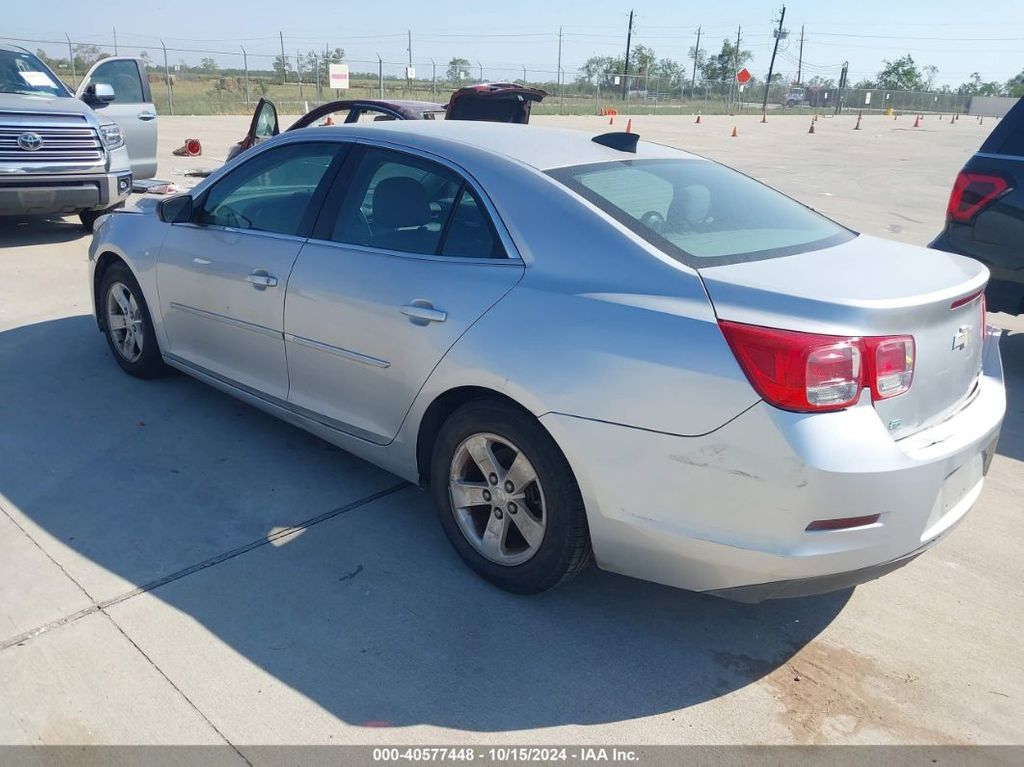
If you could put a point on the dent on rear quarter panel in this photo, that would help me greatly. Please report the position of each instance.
(600, 327)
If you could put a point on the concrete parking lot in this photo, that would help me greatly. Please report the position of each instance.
(177, 567)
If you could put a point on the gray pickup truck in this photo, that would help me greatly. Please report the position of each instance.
(67, 153)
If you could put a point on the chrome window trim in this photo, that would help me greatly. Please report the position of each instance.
(369, 249)
(248, 232)
(347, 354)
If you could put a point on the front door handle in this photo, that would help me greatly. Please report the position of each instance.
(423, 312)
(147, 115)
(261, 280)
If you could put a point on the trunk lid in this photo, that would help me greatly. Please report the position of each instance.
(872, 287)
(494, 102)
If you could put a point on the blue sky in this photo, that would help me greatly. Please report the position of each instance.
(504, 37)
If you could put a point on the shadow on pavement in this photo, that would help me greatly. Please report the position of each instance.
(370, 614)
(20, 231)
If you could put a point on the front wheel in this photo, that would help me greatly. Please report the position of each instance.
(128, 325)
(507, 498)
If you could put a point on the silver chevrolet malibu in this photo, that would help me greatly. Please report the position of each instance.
(583, 346)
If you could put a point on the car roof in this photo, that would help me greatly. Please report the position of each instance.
(541, 148)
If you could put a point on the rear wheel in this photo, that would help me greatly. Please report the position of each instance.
(128, 325)
(507, 498)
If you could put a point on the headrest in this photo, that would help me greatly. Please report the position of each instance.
(400, 202)
(691, 205)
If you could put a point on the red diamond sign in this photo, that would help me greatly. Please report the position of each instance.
(743, 76)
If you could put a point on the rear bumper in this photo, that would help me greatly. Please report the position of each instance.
(727, 513)
(42, 195)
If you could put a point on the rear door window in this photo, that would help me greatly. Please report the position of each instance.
(399, 202)
(700, 212)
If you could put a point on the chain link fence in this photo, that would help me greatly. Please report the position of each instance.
(231, 82)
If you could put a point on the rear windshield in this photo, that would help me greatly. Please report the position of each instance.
(700, 212)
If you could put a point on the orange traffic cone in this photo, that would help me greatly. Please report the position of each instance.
(191, 148)
(811, 129)
(734, 133)
(697, 121)
(629, 125)
(857, 126)
(917, 121)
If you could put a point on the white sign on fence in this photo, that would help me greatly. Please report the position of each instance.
(339, 76)
(410, 73)
(867, 98)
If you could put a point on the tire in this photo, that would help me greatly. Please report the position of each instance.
(562, 548)
(88, 217)
(144, 359)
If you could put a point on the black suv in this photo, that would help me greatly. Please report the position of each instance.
(985, 215)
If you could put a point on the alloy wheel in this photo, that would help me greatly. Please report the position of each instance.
(124, 322)
(497, 499)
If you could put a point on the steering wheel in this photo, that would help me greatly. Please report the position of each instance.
(652, 219)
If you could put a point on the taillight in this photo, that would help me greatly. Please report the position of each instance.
(971, 193)
(894, 365)
(810, 372)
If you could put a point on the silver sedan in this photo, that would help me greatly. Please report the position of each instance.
(585, 347)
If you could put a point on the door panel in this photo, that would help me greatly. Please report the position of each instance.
(132, 108)
(359, 333)
(407, 258)
(213, 316)
(222, 278)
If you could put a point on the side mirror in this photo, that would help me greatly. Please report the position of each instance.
(175, 210)
(99, 93)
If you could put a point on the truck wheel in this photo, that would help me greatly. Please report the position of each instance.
(88, 217)
(507, 498)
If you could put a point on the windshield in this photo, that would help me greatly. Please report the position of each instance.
(700, 212)
(22, 72)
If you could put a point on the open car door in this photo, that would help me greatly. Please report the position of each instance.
(131, 107)
(263, 126)
(494, 102)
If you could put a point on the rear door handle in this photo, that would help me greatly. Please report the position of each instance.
(147, 115)
(261, 280)
(423, 312)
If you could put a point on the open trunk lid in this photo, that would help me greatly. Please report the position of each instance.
(872, 287)
(494, 102)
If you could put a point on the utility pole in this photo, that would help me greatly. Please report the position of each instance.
(842, 85)
(408, 79)
(115, 41)
(561, 93)
(771, 66)
(800, 61)
(284, 78)
(380, 75)
(71, 60)
(245, 69)
(696, 58)
(629, 43)
(298, 70)
(167, 80)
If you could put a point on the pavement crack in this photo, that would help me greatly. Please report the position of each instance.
(199, 566)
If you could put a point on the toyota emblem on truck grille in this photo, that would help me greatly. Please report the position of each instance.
(30, 142)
